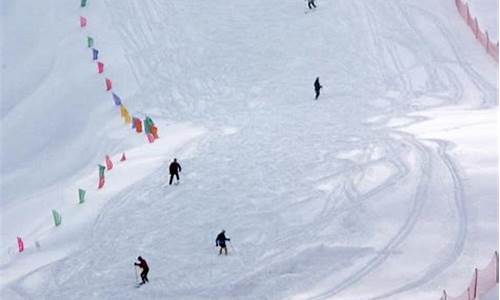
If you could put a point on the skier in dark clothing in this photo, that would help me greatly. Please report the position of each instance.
(317, 87)
(310, 4)
(145, 269)
(175, 168)
(220, 241)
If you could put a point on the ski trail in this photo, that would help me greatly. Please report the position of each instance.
(419, 200)
(461, 235)
(303, 188)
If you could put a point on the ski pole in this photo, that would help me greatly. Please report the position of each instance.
(135, 271)
(232, 247)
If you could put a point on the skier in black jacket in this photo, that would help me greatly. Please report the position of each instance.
(317, 87)
(145, 269)
(174, 168)
(220, 241)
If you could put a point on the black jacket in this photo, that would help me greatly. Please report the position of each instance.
(317, 86)
(221, 240)
(175, 168)
(143, 265)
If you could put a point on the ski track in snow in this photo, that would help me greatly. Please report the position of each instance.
(289, 207)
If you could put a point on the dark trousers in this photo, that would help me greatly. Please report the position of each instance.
(311, 4)
(172, 177)
(144, 276)
(317, 94)
(225, 250)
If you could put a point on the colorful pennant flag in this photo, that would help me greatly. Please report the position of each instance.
(109, 163)
(154, 132)
(83, 3)
(57, 217)
(95, 54)
(90, 42)
(118, 101)
(124, 113)
(108, 84)
(20, 244)
(100, 67)
(83, 21)
(101, 170)
(124, 158)
(81, 196)
(148, 123)
(101, 182)
(138, 125)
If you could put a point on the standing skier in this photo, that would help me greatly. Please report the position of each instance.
(317, 87)
(145, 269)
(220, 241)
(174, 168)
(310, 4)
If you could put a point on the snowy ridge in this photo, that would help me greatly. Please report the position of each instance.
(384, 188)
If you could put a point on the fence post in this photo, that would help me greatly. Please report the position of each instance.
(468, 13)
(476, 30)
(444, 295)
(475, 283)
(487, 40)
(496, 262)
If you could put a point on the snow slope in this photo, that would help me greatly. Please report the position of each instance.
(385, 188)
(486, 12)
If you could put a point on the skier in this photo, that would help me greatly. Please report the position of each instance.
(175, 168)
(310, 4)
(317, 87)
(145, 269)
(220, 241)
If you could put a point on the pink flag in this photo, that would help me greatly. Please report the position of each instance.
(109, 163)
(20, 244)
(151, 138)
(123, 157)
(100, 67)
(83, 22)
(101, 182)
(108, 84)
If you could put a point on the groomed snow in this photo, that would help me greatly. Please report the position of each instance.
(384, 188)
(486, 12)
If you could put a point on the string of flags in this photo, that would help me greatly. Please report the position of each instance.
(150, 130)
(57, 216)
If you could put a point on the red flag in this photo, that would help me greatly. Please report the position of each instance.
(123, 157)
(101, 182)
(100, 67)
(83, 22)
(108, 84)
(109, 163)
(154, 132)
(151, 138)
(20, 244)
(138, 126)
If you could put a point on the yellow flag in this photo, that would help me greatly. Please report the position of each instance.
(123, 111)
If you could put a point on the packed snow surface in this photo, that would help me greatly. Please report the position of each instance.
(486, 12)
(384, 188)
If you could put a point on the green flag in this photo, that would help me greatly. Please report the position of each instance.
(101, 170)
(57, 217)
(148, 123)
(84, 3)
(90, 42)
(81, 195)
